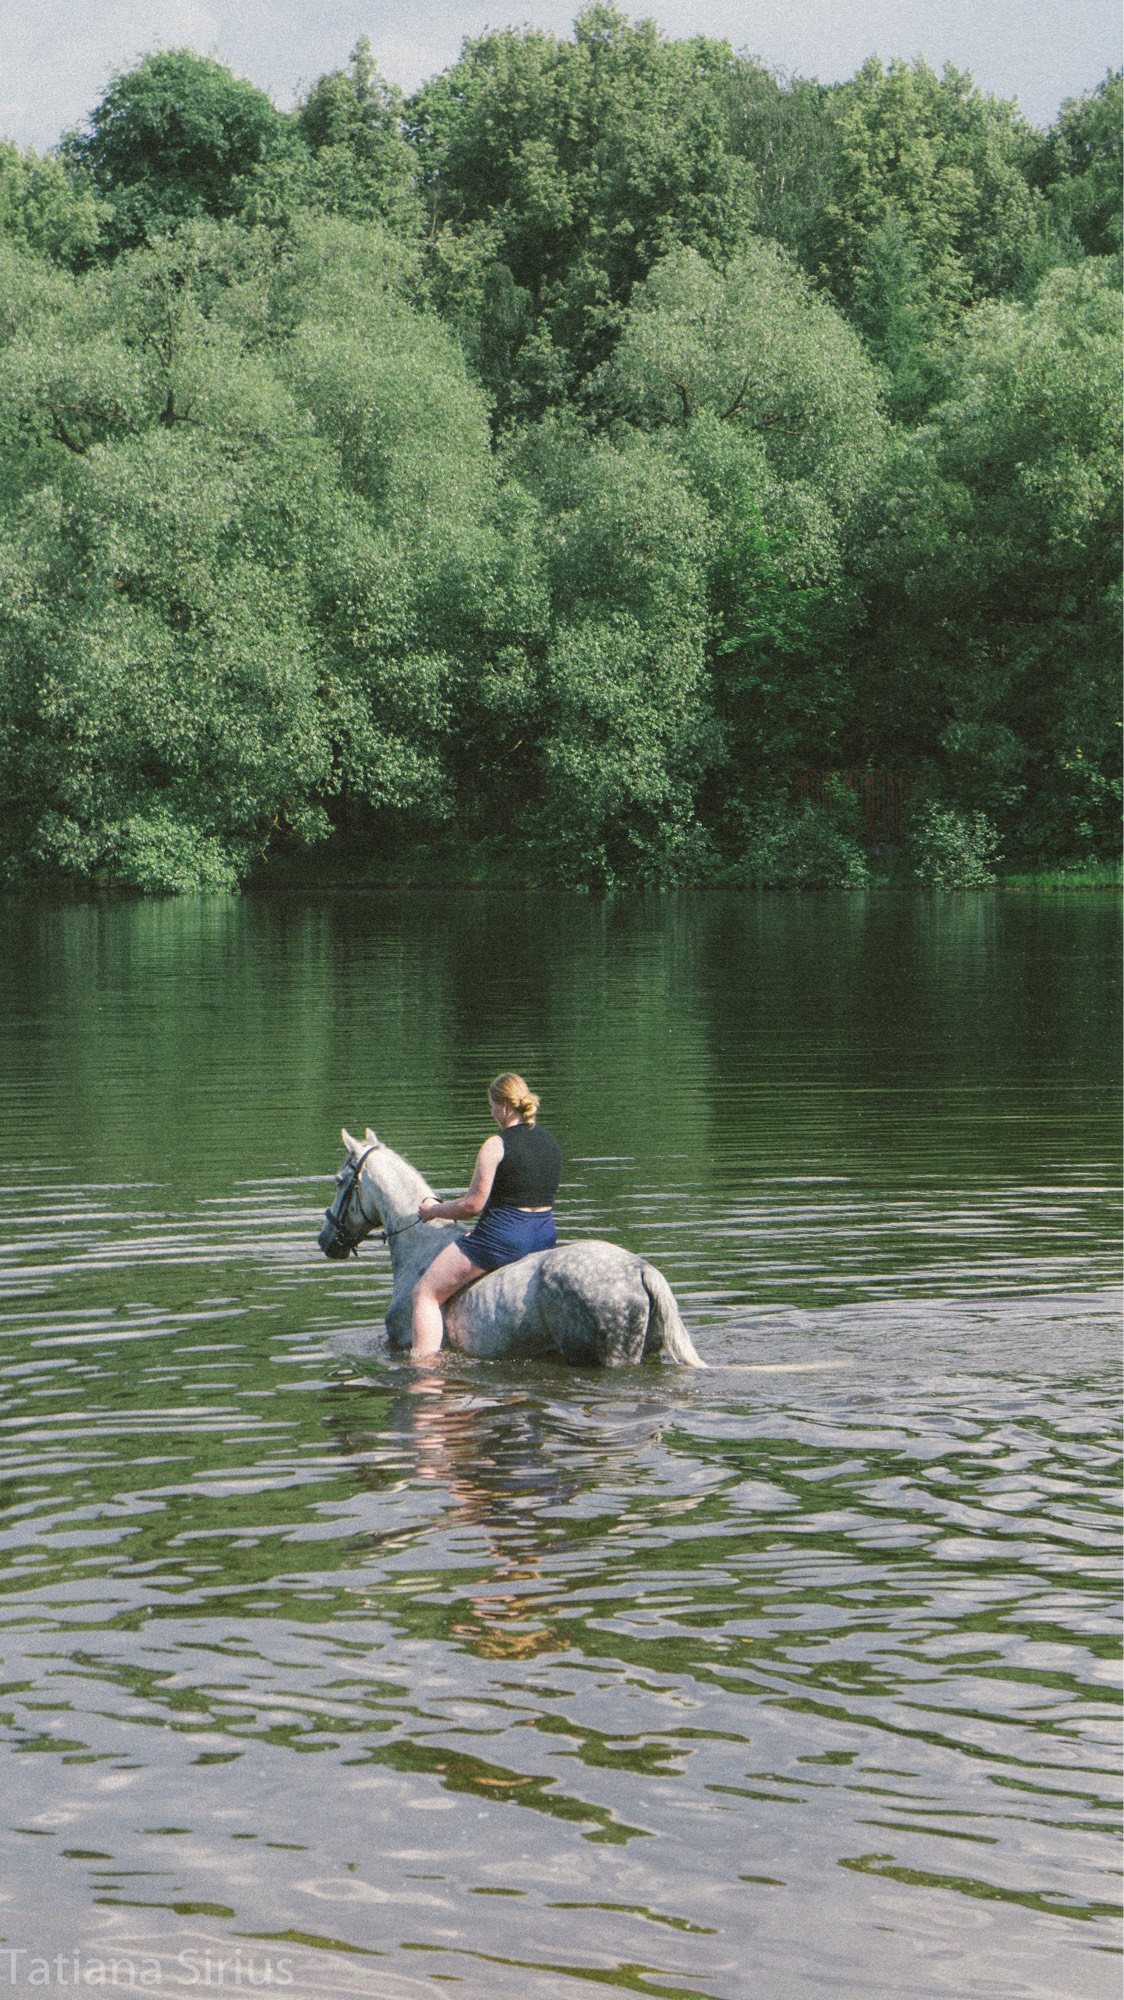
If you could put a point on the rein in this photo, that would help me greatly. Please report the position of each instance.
(388, 1235)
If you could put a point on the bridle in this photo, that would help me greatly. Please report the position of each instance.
(336, 1238)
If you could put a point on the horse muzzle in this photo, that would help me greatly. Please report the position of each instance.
(332, 1240)
(338, 1238)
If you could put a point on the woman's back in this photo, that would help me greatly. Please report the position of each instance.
(531, 1168)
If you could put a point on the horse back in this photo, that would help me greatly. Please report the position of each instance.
(584, 1302)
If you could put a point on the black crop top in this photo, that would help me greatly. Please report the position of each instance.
(531, 1168)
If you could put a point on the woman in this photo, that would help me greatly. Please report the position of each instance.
(513, 1188)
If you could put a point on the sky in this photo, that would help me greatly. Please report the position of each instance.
(58, 55)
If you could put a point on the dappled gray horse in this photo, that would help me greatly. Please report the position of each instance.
(592, 1304)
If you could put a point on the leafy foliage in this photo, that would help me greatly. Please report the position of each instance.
(351, 158)
(170, 142)
(950, 849)
(807, 846)
(624, 719)
(944, 161)
(562, 461)
(756, 347)
(557, 173)
(1079, 166)
(42, 209)
(993, 568)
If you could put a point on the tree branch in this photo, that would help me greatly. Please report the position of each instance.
(739, 399)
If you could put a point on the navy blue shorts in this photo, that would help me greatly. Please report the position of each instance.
(504, 1234)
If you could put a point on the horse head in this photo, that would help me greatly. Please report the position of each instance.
(347, 1222)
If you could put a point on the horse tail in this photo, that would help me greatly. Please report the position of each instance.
(666, 1336)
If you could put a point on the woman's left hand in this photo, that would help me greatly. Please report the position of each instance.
(431, 1202)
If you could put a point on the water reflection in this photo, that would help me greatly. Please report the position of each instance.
(490, 1461)
(794, 1676)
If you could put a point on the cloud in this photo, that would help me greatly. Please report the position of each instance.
(59, 54)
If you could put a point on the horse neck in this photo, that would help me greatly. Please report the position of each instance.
(396, 1189)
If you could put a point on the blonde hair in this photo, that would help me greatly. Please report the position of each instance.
(513, 1091)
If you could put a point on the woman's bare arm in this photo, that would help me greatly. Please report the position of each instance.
(464, 1206)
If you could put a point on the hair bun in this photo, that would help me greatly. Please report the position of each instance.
(513, 1090)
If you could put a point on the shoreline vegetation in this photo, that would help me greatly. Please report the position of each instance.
(428, 875)
(614, 466)
(337, 866)
(469, 875)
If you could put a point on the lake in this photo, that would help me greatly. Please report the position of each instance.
(792, 1678)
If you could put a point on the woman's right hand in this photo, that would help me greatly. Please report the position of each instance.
(431, 1203)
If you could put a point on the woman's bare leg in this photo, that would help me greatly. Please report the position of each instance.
(448, 1274)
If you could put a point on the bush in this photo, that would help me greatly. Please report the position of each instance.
(803, 847)
(950, 849)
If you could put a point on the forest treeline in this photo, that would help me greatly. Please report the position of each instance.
(562, 463)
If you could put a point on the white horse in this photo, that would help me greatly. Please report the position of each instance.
(592, 1304)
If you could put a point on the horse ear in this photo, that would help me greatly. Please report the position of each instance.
(350, 1145)
(373, 1138)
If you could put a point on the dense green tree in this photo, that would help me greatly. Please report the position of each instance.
(993, 575)
(782, 614)
(33, 295)
(42, 209)
(924, 209)
(1079, 165)
(624, 727)
(774, 414)
(164, 336)
(354, 160)
(573, 166)
(157, 692)
(758, 348)
(357, 109)
(159, 710)
(945, 158)
(256, 507)
(171, 141)
(563, 461)
(786, 133)
(431, 580)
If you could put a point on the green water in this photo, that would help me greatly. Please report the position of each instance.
(790, 1679)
